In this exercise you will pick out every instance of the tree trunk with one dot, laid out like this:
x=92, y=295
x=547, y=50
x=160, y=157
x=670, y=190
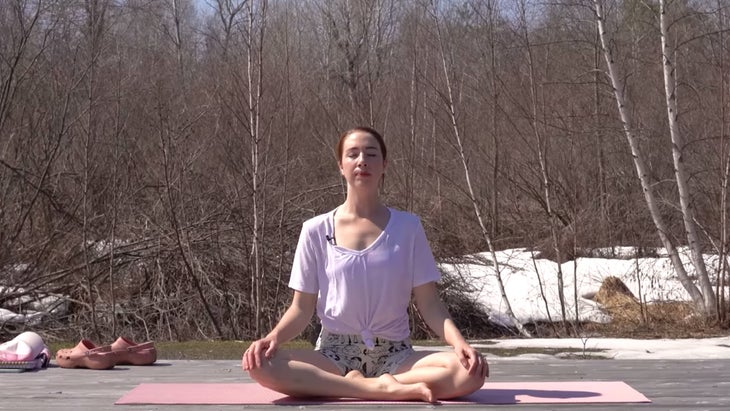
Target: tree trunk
x=725, y=165
x=450, y=104
x=542, y=160
x=680, y=171
x=254, y=71
x=640, y=164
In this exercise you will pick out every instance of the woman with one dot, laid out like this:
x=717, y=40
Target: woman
x=358, y=266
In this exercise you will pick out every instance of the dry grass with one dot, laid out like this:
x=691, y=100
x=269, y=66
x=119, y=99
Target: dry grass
x=196, y=350
x=618, y=301
x=232, y=350
x=562, y=353
x=632, y=319
x=656, y=320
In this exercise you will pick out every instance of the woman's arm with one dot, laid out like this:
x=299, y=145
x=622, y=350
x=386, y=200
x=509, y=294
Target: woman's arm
x=435, y=314
x=437, y=317
x=296, y=318
x=291, y=324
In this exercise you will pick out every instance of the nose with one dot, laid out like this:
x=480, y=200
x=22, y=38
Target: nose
x=361, y=160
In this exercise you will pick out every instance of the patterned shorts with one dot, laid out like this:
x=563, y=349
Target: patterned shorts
x=350, y=353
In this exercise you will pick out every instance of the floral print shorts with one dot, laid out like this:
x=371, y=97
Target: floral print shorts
x=350, y=353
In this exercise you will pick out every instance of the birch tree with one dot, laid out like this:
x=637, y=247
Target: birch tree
x=642, y=170
x=681, y=175
x=724, y=167
x=94, y=28
x=240, y=91
x=255, y=31
x=541, y=148
x=450, y=103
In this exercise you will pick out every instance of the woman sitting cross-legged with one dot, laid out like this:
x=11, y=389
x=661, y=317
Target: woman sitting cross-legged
x=358, y=267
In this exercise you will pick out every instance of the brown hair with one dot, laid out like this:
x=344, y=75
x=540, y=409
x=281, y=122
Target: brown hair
x=362, y=129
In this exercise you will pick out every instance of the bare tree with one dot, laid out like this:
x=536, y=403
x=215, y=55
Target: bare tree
x=360, y=33
x=681, y=174
x=95, y=26
x=147, y=149
x=642, y=170
x=725, y=172
x=254, y=71
x=18, y=56
x=541, y=149
x=450, y=103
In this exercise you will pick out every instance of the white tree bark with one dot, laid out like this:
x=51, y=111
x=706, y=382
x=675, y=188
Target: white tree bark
x=680, y=171
x=725, y=164
x=254, y=71
x=542, y=160
x=639, y=162
x=450, y=103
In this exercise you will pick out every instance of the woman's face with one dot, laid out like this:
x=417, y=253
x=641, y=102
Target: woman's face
x=362, y=162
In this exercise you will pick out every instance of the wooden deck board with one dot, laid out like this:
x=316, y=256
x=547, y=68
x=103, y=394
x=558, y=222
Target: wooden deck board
x=670, y=384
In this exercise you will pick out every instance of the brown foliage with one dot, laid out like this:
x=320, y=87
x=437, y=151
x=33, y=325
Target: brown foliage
x=630, y=318
x=618, y=301
x=156, y=163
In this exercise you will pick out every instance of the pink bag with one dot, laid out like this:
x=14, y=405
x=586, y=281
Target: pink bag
x=27, y=346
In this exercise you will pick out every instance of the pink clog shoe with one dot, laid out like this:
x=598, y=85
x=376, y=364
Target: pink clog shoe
x=131, y=353
x=86, y=355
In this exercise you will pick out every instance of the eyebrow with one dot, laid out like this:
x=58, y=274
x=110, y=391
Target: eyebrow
x=366, y=148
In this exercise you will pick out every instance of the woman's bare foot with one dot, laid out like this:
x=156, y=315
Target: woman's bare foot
x=394, y=390
x=391, y=389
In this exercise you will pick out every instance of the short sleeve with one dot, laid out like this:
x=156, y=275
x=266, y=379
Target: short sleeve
x=305, y=267
x=424, y=265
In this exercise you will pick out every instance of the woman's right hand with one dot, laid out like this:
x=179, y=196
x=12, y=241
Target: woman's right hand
x=258, y=351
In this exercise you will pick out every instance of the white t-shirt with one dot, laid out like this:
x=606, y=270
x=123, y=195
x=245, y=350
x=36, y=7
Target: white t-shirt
x=364, y=292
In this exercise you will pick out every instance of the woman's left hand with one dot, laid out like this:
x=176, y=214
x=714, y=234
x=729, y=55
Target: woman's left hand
x=472, y=360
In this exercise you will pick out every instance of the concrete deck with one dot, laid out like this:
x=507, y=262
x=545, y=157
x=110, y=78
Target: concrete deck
x=670, y=384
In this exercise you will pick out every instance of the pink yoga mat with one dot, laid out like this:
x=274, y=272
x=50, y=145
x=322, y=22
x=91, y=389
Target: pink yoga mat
x=558, y=392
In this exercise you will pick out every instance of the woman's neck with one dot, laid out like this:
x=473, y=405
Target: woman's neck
x=362, y=205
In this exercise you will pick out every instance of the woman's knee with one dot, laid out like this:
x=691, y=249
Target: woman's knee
x=475, y=382
x=468, y=382
x=265, y=375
